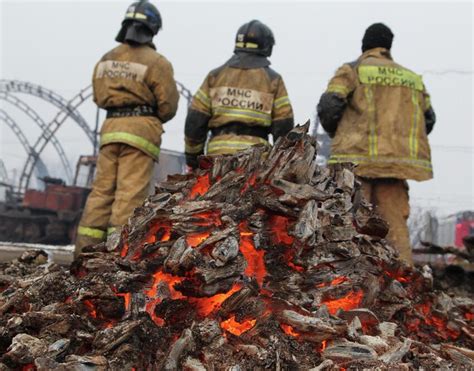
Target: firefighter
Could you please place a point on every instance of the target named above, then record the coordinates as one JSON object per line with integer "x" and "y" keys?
{"x": 241, "y": 102}
{"x": 135, "y": 85}
{"x": 379, "y": 115}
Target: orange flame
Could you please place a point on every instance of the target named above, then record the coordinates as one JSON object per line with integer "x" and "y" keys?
{"x": 196, "y": 239}
{"x": 202, "y": 185}
{"x": 127, "y": 297}
{"x": 255, "y": 258}
{"x": 289, "y": 330}
{"x": 323, "y": 345}
{"x": 336, "y": 281}
{"x": 90, "y": 308}
{"x": 250, "y": 183}
{"x": 289, "y": 256}
{"x": 433, "y": 320}
{"x": 237, "y": 328}
{"x": 206, "y": 306}
{"x": 279, "y": 226}
{"x": 351, "y": 301}
{"x": 124, "y": 251}
{"x": 397, "y": 276}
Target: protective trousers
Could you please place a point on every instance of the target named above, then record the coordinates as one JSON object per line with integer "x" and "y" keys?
{"x": 390, "y": 196}
{"x": 122, "y": 183}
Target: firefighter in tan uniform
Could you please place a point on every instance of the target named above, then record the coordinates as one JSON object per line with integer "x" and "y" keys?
{"x": 379, "y": 115}
{"x": 135, "y": 85}
{"x": 241, "y": 102}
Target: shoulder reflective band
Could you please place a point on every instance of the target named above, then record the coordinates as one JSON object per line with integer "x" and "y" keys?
{"x": 91, "y": 232}
{"x": 111, "y": 230}
{"x": 203, "y": 98}
{"x": 135, "y": 15}
{"x": 338, "y": 89}
{"x": 246, "y": 45}
{"x": 281, "y": 102}
{"x": 390, "y": 76}
{"x": 131, "y": 139}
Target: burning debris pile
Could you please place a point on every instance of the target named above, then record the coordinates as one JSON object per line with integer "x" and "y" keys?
{"x": 256, "y": 261}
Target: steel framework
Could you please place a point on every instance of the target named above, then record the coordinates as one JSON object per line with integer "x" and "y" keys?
{"x": 32, "y": 114}
{"x": 50, "y": 96}
{"x": 41, "y": 167}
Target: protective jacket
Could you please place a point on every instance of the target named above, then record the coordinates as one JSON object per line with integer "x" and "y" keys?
{"x": 379, "y": 114}
{"x": 137, "y": 85}
{"x": 240, "y": 103}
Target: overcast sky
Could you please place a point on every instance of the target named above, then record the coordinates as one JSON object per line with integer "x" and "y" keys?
{"x": 57, "y": 43}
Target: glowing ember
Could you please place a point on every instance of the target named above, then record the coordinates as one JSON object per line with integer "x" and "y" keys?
{"x": 205, "y": 306}
{"x": 289, "y": 330}
{"x": 90, "y": 308}
{"x": 201, "y": 187}
{"x": 289, "y": 256}
{"x": 432, "y": 320}
{"x": 348, "y": 302}
{"x": 255, "y": 258}
{"x": 127, "y": 297}
{"x": 171, "y": 280}
{"x": 279, "y": 227}
{"x": 28, "y": 367}
{"x": 250, "y": 183}
{"x": 397, "y": 276}
{"x": 336, "y": 281}
{"x": 237, "y": 328}
{"x": 323, "y": 345}
{"x": 469, "y": 316}
{"x": 124, "y": 251}
{"x": 196, "y": 239}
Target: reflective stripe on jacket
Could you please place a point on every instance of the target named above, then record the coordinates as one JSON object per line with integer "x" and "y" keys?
{"x": 383, "y": 126}
{"x": 130, "y": 76}
{"x": 251, "y": 96}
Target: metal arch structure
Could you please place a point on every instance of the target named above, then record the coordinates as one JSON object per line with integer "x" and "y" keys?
{"x": 32, "y": 114}
{"x": 15, "y": 86}
{"x": 185, "y": 92}
{"x": 3, "y": 173}
{"x": 44, "y": 139}
{"x": 39, "y": 164}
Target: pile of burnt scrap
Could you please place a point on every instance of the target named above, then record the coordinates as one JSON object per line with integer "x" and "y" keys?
{"x": 256, "y": 261}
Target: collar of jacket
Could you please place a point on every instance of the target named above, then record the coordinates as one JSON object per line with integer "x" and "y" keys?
{"x": 247, "y": 61}
{"x": 376, "y": 53}
{"x": 150, "y": 45}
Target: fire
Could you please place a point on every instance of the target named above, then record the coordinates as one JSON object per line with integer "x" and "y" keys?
{"x": 127, "y": 297}
{"x": 196, "y": 239}
{"x": 28, "y": 367}
{"x": 206, "y": 306}
{"x": 255, "y": 258}
{"x": 289, "y": 330}
{"x": 432, "y": 320}
{"x": 250, "y": 183}
{"x": 279, "y": 227}
{"x": 289, "y": 256}
{"x": 202, "y": 185}
{"x": 124, "y": 251}
{"x": 336, "y": 281}
{"x": 237, "y": 328}
{"x": 170, "y": 280}
{"x": 90, "y": 308}
{"x": 348, "y": 302}
{"x": 398, "y": 276}
{"x": 469, "y": 316}
{"x": 323, "y": 345}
